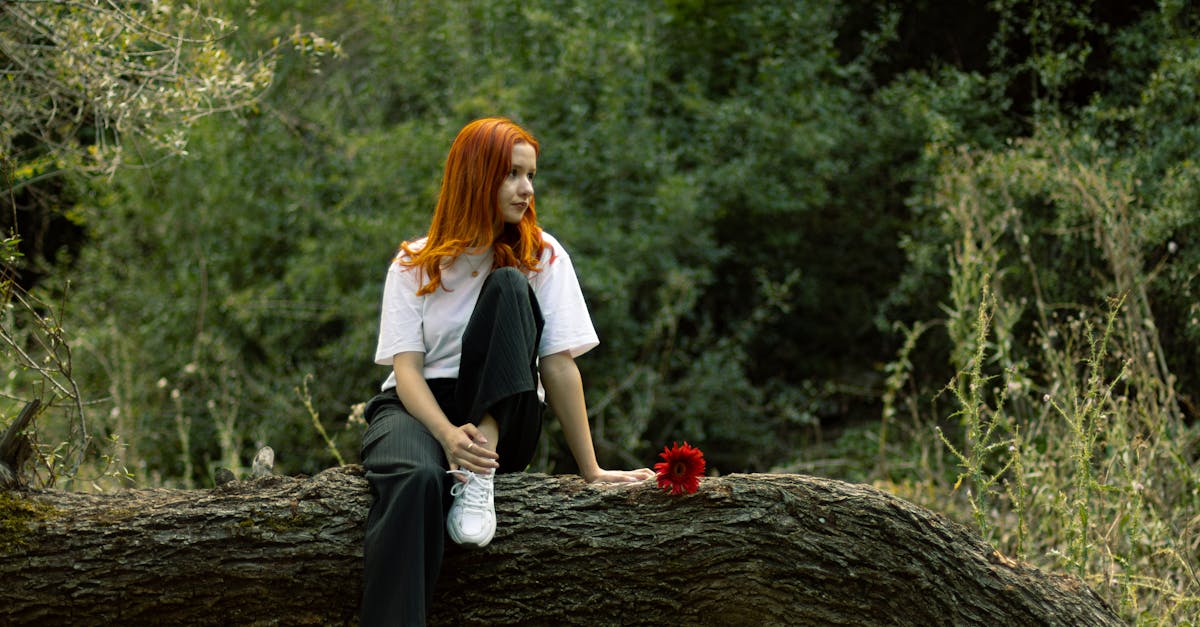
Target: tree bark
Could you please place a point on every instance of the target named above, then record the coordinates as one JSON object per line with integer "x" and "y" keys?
{"x": 744, "y": 550}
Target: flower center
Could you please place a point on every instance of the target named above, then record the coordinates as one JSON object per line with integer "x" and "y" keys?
{"x": 679, "y": 469}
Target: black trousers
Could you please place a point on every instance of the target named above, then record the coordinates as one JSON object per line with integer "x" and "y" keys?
{"x": 406, "y": 466}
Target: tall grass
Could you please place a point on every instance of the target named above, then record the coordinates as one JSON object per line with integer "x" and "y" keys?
{"x": 1067, "y": 446}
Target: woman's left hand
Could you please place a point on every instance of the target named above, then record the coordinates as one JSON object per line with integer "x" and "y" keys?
{"x": 619, "y": 476}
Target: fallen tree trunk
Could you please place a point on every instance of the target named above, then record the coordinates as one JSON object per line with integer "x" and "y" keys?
{"x": 744, "y": 550}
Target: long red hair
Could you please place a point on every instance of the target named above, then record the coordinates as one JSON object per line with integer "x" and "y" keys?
{"x": 468, "y": 210}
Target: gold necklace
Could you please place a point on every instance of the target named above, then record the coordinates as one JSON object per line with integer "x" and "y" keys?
{"x": 477, "y": 266}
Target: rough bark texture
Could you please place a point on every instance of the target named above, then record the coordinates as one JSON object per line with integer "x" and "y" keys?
{"x": 744, "y": 550}
{"x": 15, "y": 448}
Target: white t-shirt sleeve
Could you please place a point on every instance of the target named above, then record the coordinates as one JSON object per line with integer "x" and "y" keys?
{"x": 400, "y": 327}
{"x": 568, "y": 325}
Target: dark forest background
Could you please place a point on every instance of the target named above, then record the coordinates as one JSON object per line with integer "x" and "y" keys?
{"x": 947, "y": 248}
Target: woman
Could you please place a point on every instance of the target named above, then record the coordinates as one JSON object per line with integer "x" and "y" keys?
{"x": 473, "y": 313}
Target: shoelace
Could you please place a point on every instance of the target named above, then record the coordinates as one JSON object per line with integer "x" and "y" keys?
{"x": 474, "y": 492}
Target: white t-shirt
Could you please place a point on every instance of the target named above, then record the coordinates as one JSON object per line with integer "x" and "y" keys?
{"x": 434, "y": 323}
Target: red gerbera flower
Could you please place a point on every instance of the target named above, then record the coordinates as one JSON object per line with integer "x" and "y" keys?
{"x": 681, "y": 468}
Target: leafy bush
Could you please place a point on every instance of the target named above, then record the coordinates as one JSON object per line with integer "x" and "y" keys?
{"x": 794, "y": 224}
{"x": 1069, "y": 435}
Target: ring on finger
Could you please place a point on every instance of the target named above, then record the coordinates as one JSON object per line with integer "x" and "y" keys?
{"x": 470, "y": 445}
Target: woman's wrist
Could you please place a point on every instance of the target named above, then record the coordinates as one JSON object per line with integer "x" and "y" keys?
{"x": 444, "y": 432}
{"x": 591, "y": 473}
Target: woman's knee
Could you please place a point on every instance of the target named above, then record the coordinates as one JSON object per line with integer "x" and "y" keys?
{"x": 509, "y": 275}
{"x": 508, "y": 280}
{"x": 507, "y": 290}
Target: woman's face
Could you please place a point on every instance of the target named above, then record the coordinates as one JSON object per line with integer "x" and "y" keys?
{"x": 517, "y": 189}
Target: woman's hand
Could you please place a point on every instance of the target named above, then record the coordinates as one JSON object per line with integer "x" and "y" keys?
{"x": 601, "y": 475}
{"x": 467, "y": 448}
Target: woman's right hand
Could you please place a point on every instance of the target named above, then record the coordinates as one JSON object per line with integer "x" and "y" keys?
{"x": 465, "y": 447}
{"x": 468, "y": 449}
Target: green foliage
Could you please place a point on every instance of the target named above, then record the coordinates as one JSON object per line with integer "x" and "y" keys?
{"x": 788, "y": 218}
{"x": 76, "y": 78}
{"x": 1069, "y": 414}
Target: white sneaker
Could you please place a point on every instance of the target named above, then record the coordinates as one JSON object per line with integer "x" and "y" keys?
{"x": 472, "y": 518}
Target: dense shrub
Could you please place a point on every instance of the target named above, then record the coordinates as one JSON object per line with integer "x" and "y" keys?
{"x": 795, "y": 223}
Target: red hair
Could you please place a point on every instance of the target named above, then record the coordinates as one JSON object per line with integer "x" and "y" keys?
{"x": 468, "y": 210}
